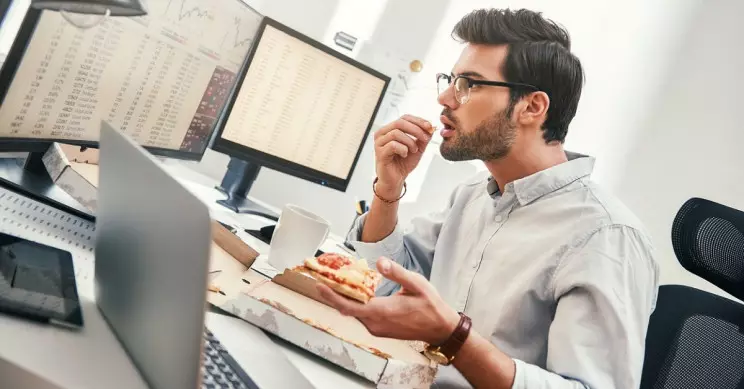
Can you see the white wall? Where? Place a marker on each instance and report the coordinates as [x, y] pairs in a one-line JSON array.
[[309, 17], [689, 142]]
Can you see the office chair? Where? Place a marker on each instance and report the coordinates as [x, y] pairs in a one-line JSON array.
[[695, 339]]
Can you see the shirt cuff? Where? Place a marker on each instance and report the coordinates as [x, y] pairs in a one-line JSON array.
[[391, 246], [520, 379], [529, 376]]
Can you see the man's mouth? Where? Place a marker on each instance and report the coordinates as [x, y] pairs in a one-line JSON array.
[[447, 130]]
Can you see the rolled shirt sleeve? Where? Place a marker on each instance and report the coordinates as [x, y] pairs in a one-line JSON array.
[[412, 249]]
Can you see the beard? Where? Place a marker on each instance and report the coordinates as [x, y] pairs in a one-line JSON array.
[[491, 140]]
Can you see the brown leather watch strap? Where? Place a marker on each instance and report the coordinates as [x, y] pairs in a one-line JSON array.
[[452, 345]]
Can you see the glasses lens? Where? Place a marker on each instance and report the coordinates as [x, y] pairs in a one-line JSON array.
[[462, 90], [442, 83]]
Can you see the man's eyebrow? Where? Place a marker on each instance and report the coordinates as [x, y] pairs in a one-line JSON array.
[[471, 74]]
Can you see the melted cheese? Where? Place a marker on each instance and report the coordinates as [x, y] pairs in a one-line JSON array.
[[340, 280], [357, 274]]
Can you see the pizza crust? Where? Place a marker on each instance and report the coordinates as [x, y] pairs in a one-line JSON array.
[[345, 290]]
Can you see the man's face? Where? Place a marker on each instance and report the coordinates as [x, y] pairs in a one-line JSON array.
[[482, 127]]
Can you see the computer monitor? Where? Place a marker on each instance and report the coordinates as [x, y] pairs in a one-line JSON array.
[[163, 79], [300, 108]]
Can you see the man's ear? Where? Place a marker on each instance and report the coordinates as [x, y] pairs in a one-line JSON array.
[[533, 108]]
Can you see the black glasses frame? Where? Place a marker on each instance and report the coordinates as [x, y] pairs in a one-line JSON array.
[[452, 79]]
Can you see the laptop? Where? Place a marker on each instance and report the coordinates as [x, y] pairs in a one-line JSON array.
[[152, 257]]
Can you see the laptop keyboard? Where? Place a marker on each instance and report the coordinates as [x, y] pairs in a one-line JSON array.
[[219, 369]]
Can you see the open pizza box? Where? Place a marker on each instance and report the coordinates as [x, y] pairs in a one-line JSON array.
[[290, 307], [75, 170]]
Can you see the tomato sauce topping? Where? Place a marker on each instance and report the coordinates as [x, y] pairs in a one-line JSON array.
[[334, 261]]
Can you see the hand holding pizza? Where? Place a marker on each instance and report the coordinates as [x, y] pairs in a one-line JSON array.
[[416, 312]]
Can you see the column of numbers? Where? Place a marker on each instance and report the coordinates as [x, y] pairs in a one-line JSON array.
[[309, 152], [171, 107], [329, 126], [246, 102], [242, 134], [42, 72], [167, 51], [120, 96], [56, 93], [44, 114], [127, 119], [83, 97], [346, 130], [174, 104], [276, 84]]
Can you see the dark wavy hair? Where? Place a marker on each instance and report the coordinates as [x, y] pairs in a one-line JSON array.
[[539, 53]]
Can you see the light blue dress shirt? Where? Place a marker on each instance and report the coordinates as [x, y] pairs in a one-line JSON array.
[[558, 274]]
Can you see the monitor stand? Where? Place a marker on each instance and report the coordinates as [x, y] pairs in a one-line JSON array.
[[237, 183], [31, 179]]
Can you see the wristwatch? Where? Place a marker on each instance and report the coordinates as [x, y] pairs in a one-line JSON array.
[[444, 353]]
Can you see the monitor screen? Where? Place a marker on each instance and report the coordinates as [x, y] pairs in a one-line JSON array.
[[163, 79], [301, 107]]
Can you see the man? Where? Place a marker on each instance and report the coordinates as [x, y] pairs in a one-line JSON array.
[[556, 277]]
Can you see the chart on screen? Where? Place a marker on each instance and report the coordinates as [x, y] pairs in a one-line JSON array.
[[161, 78]]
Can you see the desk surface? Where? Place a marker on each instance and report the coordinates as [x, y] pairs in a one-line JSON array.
[[93, 358], [235, 333]]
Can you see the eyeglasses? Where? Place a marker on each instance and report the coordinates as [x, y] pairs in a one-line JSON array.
[[464, 83]]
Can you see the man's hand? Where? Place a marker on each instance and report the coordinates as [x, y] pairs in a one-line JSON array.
[[399, 147], [416, 312]]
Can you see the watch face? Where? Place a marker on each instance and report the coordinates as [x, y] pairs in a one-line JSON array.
[[437, 356]]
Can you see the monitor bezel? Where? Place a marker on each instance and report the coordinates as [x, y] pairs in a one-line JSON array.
[[280, 164], [4, 9], [11, 66]]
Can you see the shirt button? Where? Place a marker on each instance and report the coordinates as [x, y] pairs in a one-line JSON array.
[[497, 219]]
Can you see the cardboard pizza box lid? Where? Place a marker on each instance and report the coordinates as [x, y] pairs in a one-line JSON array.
[[299, 283], [233, 245]]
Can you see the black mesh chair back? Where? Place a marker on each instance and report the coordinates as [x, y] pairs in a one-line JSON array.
[[708, 239], [695, 339]]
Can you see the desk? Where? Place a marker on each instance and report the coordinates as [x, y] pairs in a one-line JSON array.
[[93, 358], [235, 333]]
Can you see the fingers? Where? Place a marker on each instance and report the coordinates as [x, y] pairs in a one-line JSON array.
[[424, 124], [410, 281], [342, 304], [403, 137], [375, 308], [418, 128], [392, 149], [400, 137]]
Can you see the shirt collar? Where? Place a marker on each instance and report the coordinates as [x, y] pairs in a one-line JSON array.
[[532, 187]]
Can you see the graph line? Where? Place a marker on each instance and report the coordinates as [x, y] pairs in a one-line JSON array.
[[195, 11], [237, 42]]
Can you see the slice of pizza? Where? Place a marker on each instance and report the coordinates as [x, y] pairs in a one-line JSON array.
[[347, 276]]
